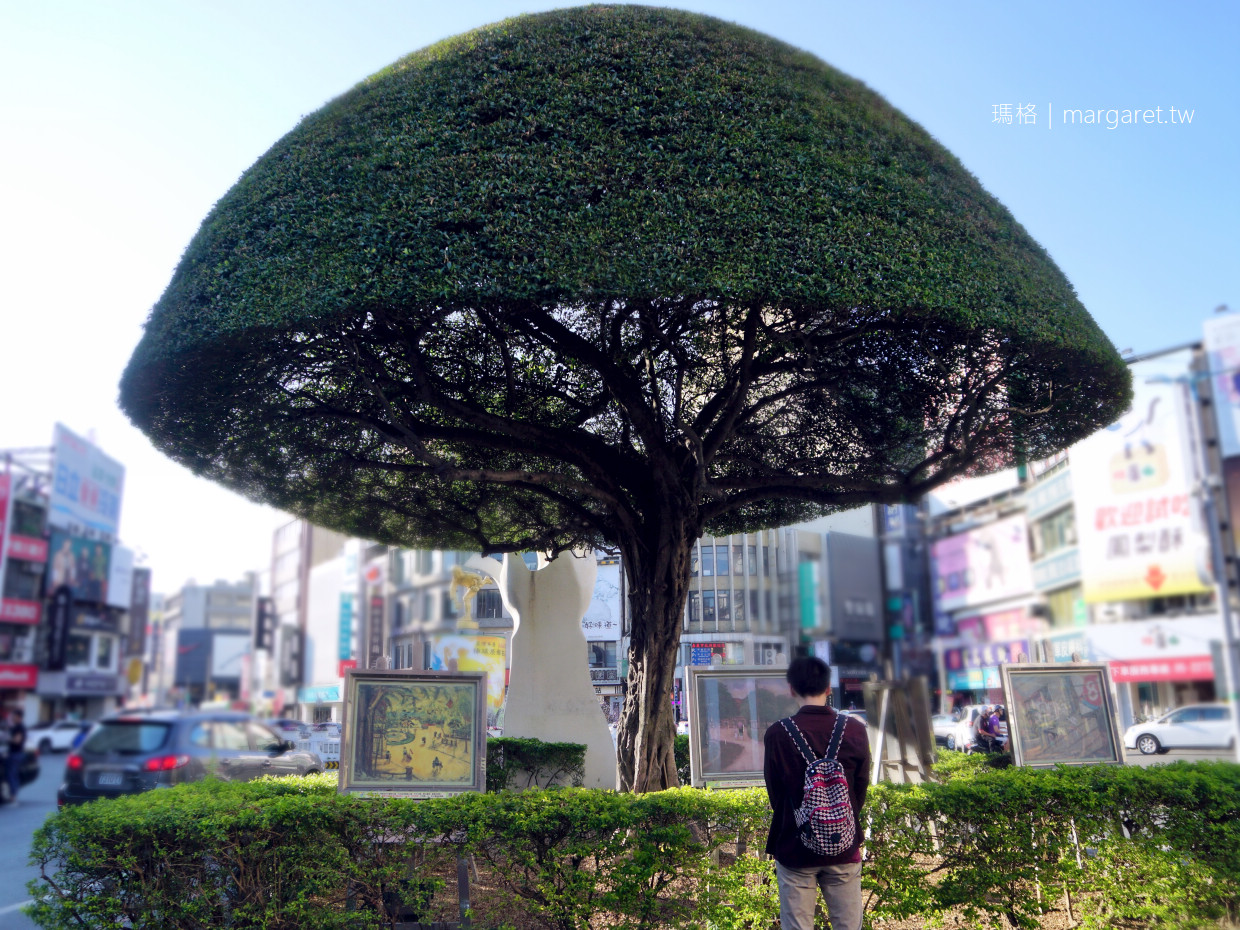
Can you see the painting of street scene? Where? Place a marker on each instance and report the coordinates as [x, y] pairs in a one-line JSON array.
[[729, 712], [1060, 714], [413, 734]]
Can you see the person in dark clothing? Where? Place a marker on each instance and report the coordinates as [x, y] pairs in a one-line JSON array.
[[800, 871], [17, 750]]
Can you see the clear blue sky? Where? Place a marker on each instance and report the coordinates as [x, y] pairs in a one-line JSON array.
[[123, 122]]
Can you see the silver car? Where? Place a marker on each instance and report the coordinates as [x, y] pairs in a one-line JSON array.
[[1193, 726]]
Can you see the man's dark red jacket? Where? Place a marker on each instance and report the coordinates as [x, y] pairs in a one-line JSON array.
[[785, 781]]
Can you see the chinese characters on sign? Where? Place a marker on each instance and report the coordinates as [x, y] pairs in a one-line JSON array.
[[1141, 531]]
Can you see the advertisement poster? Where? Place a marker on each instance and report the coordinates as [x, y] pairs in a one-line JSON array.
[[1222, 342], [487, 654], [1139, 526], [86, 488], [81, 565], [990, 563]]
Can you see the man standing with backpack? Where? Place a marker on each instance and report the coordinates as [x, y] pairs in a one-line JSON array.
[[816, 845]]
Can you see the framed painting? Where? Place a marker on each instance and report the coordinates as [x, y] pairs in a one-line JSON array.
[[730, 708], [1061, 714], [413, 734]]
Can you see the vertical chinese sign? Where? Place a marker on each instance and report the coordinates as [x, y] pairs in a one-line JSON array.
[[1140, 528]]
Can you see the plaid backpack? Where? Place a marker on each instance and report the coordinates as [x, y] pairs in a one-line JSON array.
[[825, 818]]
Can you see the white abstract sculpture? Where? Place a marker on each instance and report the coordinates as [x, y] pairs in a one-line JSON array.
[[550, 696]]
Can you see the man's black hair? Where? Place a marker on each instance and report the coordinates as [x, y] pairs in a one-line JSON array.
[[809, 676]]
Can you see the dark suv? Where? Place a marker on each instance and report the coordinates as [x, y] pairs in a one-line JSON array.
[[133, 752]]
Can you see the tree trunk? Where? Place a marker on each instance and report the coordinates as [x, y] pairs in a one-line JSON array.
[[658, 585]]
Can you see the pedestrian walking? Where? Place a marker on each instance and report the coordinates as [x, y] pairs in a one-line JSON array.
[[17, 750], [800, 871]]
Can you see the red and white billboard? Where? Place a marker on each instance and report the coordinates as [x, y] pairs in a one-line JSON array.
[[13, 610], [18, 676]]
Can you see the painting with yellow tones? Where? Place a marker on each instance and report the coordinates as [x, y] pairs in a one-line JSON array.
[[413, 733]]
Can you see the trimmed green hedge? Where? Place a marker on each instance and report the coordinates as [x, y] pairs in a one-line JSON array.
[[1120, 846], [515, 762]]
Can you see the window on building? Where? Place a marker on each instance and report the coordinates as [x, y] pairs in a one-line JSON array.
[[23, 580], [721, 560], [753, 606], [603, 655], [77, 651], [104, 653], [488, 605], [695, 608], [708, 606], [447, 605], [693, 562], [424, 566], [27, 519], [708, 561], [751, 553], [723, 602], [1062, 605]]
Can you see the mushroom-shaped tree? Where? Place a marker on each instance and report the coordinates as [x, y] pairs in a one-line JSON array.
[[611, 276]]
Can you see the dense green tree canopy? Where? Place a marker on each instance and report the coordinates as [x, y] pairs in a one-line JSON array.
[[610, 275]]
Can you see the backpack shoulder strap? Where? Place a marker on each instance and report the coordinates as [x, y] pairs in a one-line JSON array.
[[798, 738], [837, 735]]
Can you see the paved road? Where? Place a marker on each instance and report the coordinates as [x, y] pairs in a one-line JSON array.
[[1133, 757], [17, 824]]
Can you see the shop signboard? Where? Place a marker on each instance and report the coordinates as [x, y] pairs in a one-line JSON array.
[[1157, 650], [854, 579], [15, 610], [1140, 528], [983, 565], [93, 683], [87, 486], [139, 611], [1222, 342], [344, 642], [18, 676], [119, 589]]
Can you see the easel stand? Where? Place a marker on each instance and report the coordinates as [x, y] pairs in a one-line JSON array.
[[901, 738]]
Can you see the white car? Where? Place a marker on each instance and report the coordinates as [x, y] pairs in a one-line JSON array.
[[1192, 726], [56, 737], [944, 726]]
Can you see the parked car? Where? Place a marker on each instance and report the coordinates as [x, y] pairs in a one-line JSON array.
[[56, 737], [944, 726], [1192, 726], [134, 752]]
